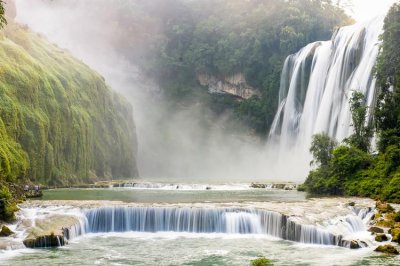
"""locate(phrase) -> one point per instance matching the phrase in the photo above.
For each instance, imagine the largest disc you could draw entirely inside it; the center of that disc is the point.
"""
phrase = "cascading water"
(211, 220)
(316, 85)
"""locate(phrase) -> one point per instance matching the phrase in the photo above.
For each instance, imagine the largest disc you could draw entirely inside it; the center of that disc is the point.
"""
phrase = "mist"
(182, 143)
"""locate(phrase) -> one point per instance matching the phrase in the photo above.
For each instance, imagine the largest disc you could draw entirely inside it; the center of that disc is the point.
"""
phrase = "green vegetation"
(221, 38)
(3, 20)
(261, 262)
(59, 122)
(351, 169)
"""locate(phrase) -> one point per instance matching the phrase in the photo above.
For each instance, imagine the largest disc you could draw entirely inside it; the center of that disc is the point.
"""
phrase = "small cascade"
(243, 223)
(76, 230)
(338, 231)
(204, 220)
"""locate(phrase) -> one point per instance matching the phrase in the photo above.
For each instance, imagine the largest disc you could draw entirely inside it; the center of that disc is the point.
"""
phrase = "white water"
(221, 221)
(316, 85)
(101, 230)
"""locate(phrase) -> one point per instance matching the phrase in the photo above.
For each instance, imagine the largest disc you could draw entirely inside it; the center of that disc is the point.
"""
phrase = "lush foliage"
(321, 149)
(3, 20)
(362, 130)
(59, 122)
(388, 72)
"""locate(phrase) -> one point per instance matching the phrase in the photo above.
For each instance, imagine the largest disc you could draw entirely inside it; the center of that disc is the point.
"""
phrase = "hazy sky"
(365, 9)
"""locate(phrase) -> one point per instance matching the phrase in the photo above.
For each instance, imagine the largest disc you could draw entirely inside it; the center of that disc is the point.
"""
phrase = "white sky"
(366, 9)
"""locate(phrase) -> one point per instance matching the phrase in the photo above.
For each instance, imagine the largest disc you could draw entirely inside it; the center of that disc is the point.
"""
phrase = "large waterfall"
(316, 85)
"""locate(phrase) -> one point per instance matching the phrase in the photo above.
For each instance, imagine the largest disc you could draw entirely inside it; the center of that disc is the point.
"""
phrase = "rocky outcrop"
(50, 232)
(235, 85)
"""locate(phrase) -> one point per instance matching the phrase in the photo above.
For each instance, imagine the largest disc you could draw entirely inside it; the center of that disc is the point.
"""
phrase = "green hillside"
(59, 122)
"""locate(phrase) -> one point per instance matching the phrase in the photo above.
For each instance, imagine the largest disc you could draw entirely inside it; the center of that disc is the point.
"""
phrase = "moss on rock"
(395, 232)
(381, 238)
(5, 231)
(388, 249)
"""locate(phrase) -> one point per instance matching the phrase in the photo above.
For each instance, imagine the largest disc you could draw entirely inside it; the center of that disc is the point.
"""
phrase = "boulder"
(354, 244)
(5, 231)
(388, 249)
(50, 232)
(381, 238)
(376, 230)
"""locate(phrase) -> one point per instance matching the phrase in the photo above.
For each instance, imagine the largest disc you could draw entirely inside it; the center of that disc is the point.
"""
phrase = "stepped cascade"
(214, 220)
(316, 85)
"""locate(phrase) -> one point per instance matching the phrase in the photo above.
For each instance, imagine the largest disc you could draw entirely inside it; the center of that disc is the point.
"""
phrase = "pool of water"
(194, 249)
(174, 196)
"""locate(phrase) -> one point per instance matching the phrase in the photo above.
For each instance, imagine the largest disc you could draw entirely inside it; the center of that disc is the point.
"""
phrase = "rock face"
(5, 231)
(389, 249)
(235, 85)
(50, 232)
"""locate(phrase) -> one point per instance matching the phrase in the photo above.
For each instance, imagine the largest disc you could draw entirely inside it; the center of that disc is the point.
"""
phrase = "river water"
(183, 248)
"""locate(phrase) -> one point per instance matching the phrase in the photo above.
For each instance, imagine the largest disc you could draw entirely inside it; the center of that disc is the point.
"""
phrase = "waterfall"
(316, 85)
(211, 220)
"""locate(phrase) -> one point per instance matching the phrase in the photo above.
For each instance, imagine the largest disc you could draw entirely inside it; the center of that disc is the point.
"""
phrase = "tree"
(321, 148)
(387, 113)
(361, 138)
(3, 20)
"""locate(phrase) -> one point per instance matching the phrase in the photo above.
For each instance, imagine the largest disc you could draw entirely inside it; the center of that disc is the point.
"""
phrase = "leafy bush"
(261, 262)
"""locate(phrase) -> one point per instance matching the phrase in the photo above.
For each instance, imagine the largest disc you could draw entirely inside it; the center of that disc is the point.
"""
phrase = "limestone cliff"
(235, 85)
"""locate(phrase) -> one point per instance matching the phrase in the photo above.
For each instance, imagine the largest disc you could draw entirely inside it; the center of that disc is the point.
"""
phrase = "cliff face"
(235, 85)
(59, 122)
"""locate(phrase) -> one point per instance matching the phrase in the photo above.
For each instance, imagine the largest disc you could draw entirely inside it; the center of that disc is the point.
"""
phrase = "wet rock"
(5, 231)
(354, 244)
(381, 238)
(384, 207)
(45, 241)
(376, 230)
(388, 249)
(351, 204)
(257, 185)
